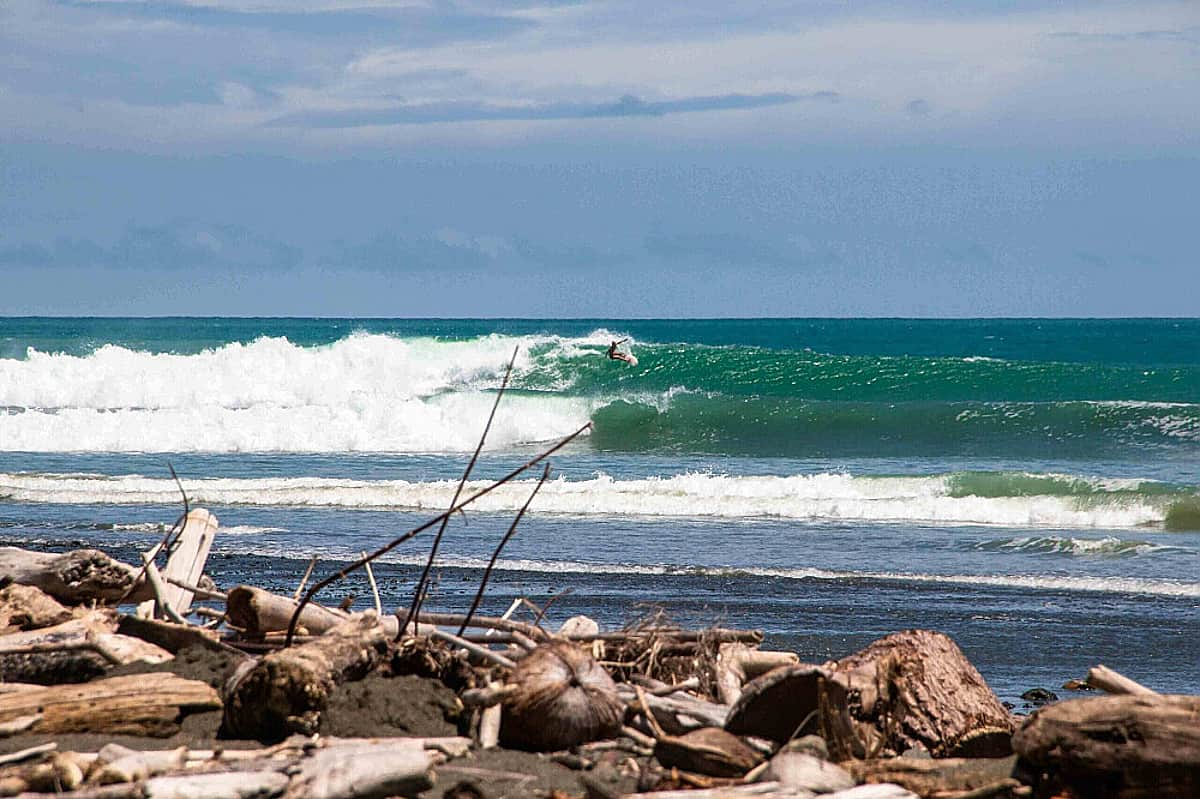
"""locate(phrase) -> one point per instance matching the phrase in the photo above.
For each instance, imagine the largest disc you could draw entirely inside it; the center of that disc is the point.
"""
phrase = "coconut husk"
(562, 698)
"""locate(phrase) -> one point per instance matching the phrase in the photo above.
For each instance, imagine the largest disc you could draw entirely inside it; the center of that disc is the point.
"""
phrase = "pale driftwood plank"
(187, 562)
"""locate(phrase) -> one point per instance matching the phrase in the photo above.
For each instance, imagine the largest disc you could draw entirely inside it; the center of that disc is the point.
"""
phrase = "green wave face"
(738, 371)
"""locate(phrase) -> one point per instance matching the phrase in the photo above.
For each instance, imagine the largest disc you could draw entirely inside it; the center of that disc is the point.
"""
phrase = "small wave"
(1109, 546)
(823, 497)
(1122, 585)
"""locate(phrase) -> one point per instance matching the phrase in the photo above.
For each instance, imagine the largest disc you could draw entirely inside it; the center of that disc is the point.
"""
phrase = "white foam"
(363, 393)
(824, 497)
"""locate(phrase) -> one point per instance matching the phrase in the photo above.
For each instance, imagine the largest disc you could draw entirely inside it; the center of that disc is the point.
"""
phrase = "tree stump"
(916, 688)
(1129, 746)
(285, 692)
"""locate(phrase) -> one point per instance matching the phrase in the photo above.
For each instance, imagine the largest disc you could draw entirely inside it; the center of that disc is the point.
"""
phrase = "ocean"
(1027, 486)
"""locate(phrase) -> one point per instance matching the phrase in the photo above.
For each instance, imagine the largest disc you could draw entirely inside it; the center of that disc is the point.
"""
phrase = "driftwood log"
(73, 578)
(925, 776)
(916, 689)
(26, 607)
(1137, 745)
(139, 704)
(74, 651)
(285, 692)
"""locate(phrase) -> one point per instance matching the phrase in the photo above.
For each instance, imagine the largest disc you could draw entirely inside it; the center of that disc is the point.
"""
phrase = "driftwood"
(286, 691)
(709, 750)
(802, 770)
(1116, 746)
(26, 607)
(777, 790)
(679, 713)
(174, 637)
(916, 688)
(925, 776)
(75, 651)
(257, 612)
(186, 564)
(1112, 682)
(784, 702)
(141, 704)
(366, 771)
(737, 663)
(73, 578)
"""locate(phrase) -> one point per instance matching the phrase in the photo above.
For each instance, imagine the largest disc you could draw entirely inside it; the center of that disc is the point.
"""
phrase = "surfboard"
(631, 360)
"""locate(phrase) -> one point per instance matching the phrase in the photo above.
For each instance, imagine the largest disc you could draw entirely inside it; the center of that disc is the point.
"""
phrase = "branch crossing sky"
(393, 158)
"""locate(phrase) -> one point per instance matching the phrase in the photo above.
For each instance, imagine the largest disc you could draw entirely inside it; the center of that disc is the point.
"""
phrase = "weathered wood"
(925, 776)
(804, 771)
(232, 785)
(679, 713)
(737, 663)
(285, 692)
(776, 790)
(369, 771)
(26, 607)
(186, 562)
(257, 612)
(137, 704)
(1113, 682)
(74, 651)
(916, 688)
(1120, 746)
(783, 702)
(74, 578)
(135, 766)
(174, 637)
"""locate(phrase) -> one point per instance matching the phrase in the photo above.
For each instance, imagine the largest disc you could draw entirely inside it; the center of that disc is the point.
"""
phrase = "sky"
(599, 159)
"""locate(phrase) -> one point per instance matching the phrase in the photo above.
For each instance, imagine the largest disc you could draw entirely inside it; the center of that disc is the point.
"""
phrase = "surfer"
(617, 355)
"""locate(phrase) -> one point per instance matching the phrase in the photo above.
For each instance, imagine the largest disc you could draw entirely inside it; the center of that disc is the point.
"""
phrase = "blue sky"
(393, 158)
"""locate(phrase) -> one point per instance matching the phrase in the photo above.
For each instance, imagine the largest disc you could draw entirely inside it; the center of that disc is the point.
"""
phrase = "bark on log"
(73, 578)
(259, 612)
(75, 651)
(285, 692)
(137, 704)
(925, 776)
(916, 688)
(1118, 746)
(26, 607)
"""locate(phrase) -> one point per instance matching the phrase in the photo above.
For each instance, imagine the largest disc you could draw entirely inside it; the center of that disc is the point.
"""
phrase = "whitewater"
(824, 480)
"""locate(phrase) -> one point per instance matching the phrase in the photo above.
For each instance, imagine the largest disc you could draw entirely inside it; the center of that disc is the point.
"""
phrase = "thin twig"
(475, 649)
(304, 580)
(487, 573)
(419, 591)
(542, 612)
(374, 589)
(395, 542)
(165, 543)
(202, 593)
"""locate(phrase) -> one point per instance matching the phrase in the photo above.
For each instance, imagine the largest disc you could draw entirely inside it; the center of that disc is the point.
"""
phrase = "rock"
(1039, 696)
(805, 772)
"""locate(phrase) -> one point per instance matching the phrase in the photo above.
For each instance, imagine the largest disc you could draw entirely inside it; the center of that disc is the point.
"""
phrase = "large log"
(137, 704)
(916, 689)
(1130, 746)
(26, 607)
(927, 776)
(74, 578)
(74, 651)
(285, 692)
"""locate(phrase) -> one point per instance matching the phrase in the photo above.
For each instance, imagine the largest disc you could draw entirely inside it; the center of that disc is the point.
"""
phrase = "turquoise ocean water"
(1027, 486)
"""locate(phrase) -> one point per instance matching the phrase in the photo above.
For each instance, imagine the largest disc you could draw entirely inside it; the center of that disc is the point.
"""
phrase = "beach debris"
(26, 607)
(185, 566)
(709, 750)
(78, 577)
(284, 692)
(1130, 745)
(806, 772)
(737, 663)
(73, 651)
(928, 776)
(784, 703)
(1113, 682)
(916, 688)
(561, 698)
(150, 705)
